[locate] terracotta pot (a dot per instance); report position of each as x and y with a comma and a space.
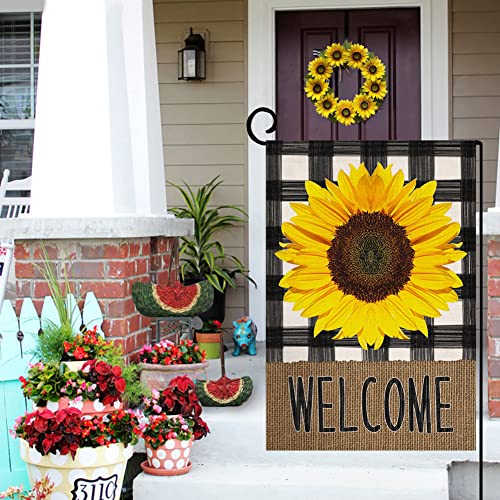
210, 343
171, 458
158, 376
94, 473
88, 408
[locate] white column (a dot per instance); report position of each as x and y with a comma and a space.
98, 146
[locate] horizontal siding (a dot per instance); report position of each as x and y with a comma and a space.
190, 12
476, 80
204, 114
203, 123
476, 22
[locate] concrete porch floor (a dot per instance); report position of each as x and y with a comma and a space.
232, 461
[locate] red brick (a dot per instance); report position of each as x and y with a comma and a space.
121, 268
115, 327
22, 251
146, 248
41, 289
493, 267
134, 248
494, 327
141, 266
493, 287
134, 323
493, 388
92, 251
112, 289
494, 367
120, 308
493, 308
25, 270
116, 251
145, 322
494, 407
85, 270
23, 288
51, 251
494, 248
129, 345
141, 339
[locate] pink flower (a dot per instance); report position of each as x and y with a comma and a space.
155, 394
157, 408
184, 427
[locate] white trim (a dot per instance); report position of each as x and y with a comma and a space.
17, 124
14, 6
261, 92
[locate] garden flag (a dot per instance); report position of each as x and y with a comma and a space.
371, 296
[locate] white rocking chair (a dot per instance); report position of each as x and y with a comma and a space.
11, 207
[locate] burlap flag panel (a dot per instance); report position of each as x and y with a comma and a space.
394, 405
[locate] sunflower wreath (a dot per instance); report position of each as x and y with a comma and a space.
371, 256
319, 89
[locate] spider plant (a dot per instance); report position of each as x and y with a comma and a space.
202, 256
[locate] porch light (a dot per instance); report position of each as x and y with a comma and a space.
192, 58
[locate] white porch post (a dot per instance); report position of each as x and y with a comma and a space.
98, 144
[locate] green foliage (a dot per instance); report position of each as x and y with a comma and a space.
49, 346
58, 290
201, 254
44, 382
136, 391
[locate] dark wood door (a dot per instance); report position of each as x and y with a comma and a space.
394, 36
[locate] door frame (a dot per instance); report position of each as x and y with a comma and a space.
435, 95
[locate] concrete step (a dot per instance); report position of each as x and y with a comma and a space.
233, 462
299, 482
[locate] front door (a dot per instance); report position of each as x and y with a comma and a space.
392, 34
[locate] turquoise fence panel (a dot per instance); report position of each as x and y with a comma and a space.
14, 360
14, 471
17, 341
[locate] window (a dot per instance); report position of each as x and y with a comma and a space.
19, 47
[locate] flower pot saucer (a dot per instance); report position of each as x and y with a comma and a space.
165, 472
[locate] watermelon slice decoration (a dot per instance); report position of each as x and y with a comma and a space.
172, 300
224, 391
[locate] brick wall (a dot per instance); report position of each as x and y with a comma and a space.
494, 327
106, 267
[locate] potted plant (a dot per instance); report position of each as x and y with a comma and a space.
163, 361
179, 403
78, 454
209, 338
59, 344
168, 441
95, 389
202, 256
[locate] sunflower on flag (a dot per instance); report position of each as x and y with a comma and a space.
371, 256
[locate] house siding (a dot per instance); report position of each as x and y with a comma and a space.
203, 123
476, 80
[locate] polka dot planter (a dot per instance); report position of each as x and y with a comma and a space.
88, 408
170, 459
94, 474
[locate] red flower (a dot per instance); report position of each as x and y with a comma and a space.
116, 371
120, 385
102, 368
79, 353
217, 323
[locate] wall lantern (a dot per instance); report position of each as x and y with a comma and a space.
192, 58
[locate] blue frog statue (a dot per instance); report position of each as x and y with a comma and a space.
244, 336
